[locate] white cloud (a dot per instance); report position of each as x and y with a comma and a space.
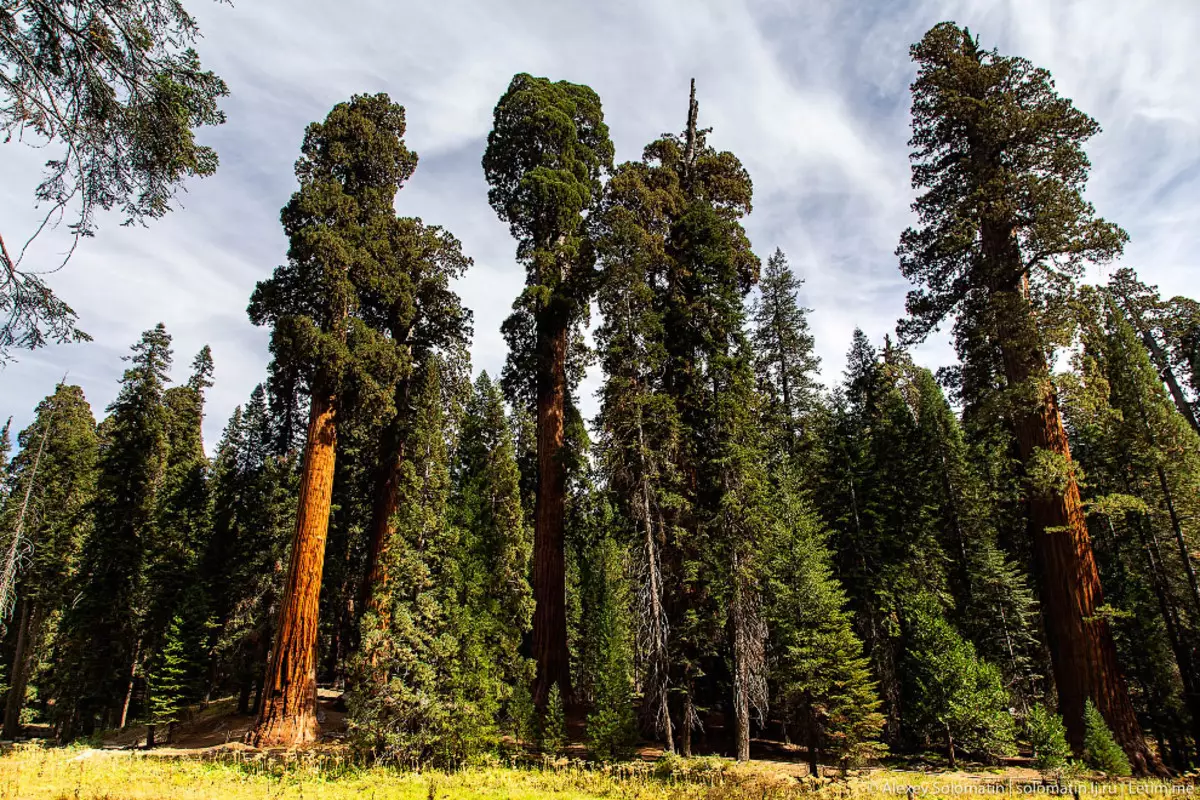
811, 96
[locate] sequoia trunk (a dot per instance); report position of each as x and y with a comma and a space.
549, 561
1081, 644
287, 715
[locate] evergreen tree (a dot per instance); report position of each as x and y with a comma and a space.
1003, 231
1047, 738
546, 153
99, 644
1100, 748
430, 688
496, 537
56, 520
821, 680
955, 696
167, 682
327, 330
670, 237
785, 364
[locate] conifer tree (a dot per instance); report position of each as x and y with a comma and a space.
496, 539
821, 681
956, 697
785, 363
99, 639
57, 520
342, 234
546, 154
432, 689
167, 682
425, 319
1100, 748
1003, 230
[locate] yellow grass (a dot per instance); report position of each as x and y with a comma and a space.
80, 774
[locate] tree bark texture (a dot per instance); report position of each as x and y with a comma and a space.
549, 561
1081, 645
28, 623
287, 714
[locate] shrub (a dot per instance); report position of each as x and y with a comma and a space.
1048, 738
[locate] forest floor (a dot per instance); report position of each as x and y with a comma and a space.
207, 758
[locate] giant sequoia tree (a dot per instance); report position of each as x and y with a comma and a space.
325, 327
1002, 231
546, 154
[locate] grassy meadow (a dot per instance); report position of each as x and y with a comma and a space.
39, 773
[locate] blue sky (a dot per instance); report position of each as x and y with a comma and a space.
812, 96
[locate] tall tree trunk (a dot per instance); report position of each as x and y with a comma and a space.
549, 559
287, 715
1081, 644
1183, 658
28, 623
123, 717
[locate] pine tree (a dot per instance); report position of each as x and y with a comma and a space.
496, 538
1100, 748
1047, 738
546, 153
167, 682
680, 266
821, 681
785, 363
429, 688
554, 724
99, 640
56, 521
1003, 231
342, 231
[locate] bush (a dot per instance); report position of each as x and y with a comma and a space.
1048, 738
1100, 748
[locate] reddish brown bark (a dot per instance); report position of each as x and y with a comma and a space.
549, 561
287, 715
1081, 644
382, 526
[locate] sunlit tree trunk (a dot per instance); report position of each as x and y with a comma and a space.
287, 713
28, 623
1081, 644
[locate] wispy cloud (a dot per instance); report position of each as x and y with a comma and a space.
811, 96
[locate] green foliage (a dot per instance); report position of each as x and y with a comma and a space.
118, 91
553, 728
99, 633
1048, 738
954, 696
611, 730
821, 680
327, 304
1100, 749
168, 678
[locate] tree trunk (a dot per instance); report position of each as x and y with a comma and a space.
549, 560
373, 594
814, 741
28, 623
950, 748
287, 715
1081, 644
688, 712
124, 716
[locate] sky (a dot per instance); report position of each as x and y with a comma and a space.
811, 95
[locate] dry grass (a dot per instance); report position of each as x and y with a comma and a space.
40, 773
